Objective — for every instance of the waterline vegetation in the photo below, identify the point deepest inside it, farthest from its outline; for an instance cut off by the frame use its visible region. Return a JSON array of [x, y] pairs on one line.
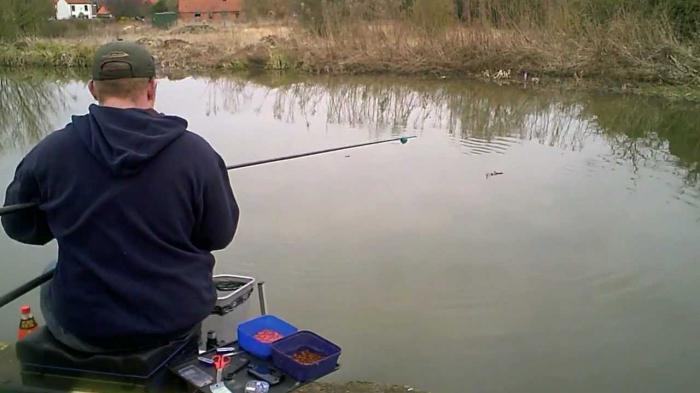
[[622, 43]]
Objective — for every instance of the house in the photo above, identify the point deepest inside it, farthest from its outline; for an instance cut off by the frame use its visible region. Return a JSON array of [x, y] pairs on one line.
[[67, 9], [104, 12], [194, 10]]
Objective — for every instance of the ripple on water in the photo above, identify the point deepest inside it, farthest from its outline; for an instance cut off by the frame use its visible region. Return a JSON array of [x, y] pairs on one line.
[[498, 145]]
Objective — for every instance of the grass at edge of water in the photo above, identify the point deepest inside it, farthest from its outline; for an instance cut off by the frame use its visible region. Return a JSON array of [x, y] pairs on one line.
[[45, 53], [183, 55]]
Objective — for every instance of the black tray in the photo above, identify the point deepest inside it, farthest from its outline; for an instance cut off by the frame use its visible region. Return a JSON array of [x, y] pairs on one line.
[[237, 385]]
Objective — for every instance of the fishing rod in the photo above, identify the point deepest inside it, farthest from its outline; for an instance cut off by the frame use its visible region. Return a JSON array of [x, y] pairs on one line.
[[39, 280], [404, 139]]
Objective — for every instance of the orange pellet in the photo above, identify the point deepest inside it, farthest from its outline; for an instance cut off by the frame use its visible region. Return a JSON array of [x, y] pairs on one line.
[[267, 336], [307, 357]]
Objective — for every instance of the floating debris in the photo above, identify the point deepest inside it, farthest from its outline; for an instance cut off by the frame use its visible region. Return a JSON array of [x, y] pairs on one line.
[[494, 173]]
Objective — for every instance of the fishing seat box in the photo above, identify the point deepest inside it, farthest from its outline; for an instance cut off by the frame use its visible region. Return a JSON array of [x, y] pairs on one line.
[[41, 353]]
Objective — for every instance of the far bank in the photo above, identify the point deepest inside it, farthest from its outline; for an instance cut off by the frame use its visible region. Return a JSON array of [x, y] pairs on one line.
[[533, 59]]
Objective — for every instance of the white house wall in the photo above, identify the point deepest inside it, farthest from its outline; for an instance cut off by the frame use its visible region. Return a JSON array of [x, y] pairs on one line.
[[81, 9], [63, 10], [67, 11]]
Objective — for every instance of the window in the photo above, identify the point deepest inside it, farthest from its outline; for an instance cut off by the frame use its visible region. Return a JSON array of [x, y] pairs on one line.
[[86, 8], [72, 8], [197, 14]]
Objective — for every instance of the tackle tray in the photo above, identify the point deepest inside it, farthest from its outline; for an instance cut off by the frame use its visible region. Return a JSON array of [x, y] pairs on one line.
[[231, 292], [237, 385]]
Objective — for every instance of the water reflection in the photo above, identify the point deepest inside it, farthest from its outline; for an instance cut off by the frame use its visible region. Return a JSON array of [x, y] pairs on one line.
[[640, 131], [469, 111], [227, 95], [573, 267], [28, 104], [647, 131]]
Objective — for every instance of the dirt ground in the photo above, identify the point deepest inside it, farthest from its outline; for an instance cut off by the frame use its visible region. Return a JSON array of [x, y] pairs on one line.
[[357, 387]]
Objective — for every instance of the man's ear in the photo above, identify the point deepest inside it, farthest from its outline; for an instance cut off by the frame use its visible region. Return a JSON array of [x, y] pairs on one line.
[[91, 87], [151, 92]]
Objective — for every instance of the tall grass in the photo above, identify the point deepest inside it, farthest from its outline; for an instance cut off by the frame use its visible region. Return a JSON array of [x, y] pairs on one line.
[[683, 15], [37, 53], [631, 40]]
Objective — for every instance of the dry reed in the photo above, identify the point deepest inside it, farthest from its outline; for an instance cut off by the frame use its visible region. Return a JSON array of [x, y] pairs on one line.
[[538, 44]]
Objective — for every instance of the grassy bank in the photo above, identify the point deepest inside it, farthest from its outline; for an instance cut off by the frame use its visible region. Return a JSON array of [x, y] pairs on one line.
[[627, 54], [46, 53]]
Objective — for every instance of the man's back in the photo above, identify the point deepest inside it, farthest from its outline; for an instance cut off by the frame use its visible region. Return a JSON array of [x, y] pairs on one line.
[[136, 204]]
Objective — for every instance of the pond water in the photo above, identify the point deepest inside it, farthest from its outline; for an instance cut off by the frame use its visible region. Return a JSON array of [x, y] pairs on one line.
[[575, 270]]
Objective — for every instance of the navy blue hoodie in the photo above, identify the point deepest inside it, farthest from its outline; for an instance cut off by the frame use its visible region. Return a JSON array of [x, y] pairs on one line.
[[136, 203]]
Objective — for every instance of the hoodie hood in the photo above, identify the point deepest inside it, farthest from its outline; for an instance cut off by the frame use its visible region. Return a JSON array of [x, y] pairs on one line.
[[125, 140]]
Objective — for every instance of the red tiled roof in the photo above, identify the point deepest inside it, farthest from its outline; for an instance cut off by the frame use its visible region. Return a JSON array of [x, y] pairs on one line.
[[81, 2], [205, 6]]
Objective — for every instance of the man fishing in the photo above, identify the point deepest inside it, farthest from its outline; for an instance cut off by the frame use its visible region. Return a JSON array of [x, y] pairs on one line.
[[136, 204]]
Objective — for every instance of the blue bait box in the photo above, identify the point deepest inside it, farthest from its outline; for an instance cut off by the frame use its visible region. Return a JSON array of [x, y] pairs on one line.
[[247, 331], [284, 349]]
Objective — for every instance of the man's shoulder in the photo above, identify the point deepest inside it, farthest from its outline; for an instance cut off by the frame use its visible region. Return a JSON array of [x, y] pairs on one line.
[[193, 151], [195, 139], [193, 142], [56, 141]]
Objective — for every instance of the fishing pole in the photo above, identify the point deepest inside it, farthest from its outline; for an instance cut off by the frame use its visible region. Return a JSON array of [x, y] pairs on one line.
[[404, 139], [15, 208], [26, 287], [39, 280]]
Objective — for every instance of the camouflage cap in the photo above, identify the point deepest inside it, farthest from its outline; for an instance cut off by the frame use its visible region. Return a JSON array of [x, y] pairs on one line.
[[122, 59]]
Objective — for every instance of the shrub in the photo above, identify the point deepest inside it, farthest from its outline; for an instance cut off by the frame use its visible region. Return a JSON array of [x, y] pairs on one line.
[[65, 28], [23, 17]]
